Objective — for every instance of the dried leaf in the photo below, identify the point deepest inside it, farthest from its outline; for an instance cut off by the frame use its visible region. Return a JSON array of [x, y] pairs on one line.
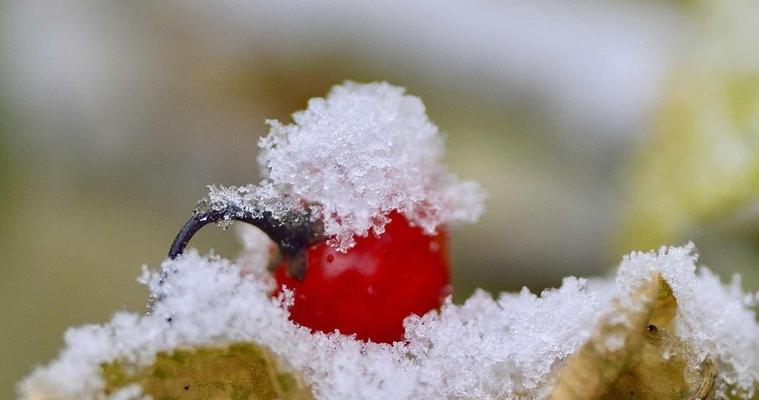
[[633, 354], [242, 371]]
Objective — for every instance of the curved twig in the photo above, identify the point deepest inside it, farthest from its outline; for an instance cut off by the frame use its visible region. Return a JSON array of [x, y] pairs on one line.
[[292, 235]]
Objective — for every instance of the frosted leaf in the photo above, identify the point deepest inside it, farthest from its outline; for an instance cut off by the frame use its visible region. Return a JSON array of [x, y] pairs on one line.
[[511, 347], [624, 358], [362, 152], [713, 318]]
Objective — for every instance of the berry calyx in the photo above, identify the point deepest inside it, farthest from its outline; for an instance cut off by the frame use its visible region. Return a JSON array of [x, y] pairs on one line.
[[371, 288], [367, 291]]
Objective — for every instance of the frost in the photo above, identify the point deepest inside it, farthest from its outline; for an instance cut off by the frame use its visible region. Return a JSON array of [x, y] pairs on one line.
[[354, 157], [486, 348], [237, 201]]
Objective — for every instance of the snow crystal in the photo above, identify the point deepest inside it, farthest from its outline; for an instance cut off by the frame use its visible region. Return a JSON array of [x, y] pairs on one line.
[[355, 156], [238, 201], [486, 348]]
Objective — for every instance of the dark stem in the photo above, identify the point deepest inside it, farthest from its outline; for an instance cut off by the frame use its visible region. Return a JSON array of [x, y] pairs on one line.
[[292, 235]]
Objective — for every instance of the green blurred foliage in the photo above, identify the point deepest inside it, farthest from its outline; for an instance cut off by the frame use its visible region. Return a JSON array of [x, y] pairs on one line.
[[701, 163], [696, 175]]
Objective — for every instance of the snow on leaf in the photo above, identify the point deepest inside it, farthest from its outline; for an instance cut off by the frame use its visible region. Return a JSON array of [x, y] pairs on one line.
[[625, 357], [715, 319]]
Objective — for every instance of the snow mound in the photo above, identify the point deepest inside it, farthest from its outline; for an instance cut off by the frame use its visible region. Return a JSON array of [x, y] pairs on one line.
[[487, 348], [356, 155]]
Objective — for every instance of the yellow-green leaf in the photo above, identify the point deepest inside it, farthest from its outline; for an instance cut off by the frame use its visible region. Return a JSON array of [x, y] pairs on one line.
[[241, 371], [700, 164]]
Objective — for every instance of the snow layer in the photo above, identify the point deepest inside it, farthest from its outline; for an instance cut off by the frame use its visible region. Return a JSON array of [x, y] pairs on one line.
[[358, 154], [486, 348]]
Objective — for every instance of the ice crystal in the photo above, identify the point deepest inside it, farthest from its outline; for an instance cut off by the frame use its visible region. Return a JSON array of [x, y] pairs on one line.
[[238, 201], [487, 348], [355, 156]]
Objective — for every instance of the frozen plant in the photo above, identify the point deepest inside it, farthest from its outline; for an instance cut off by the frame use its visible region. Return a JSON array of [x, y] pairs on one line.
[[362, 168]]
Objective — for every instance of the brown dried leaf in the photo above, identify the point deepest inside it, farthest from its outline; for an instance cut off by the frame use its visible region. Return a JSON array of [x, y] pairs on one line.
[[625, 357], [242, 371]]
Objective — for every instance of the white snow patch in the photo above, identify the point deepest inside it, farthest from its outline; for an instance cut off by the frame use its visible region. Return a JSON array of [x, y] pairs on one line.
[[486, 348]]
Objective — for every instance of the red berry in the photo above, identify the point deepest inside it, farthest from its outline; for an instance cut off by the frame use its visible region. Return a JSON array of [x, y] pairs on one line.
[[371, 288]]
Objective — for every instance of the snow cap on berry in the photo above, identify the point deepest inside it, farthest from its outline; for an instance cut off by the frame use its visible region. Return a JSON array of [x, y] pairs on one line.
[[361, 152]]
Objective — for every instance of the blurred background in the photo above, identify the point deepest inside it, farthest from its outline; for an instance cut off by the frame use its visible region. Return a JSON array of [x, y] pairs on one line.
[[597, 127]]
